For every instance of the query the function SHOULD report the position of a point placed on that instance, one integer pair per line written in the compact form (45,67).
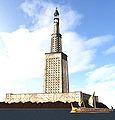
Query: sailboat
(94,109)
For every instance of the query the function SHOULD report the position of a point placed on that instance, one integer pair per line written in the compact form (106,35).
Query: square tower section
(56,73)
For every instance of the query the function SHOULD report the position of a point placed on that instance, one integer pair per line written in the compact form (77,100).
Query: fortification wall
(43,97)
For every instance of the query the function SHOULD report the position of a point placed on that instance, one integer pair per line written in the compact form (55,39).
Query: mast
(94,100)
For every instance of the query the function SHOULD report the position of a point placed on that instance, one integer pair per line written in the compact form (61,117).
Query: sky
(88,38)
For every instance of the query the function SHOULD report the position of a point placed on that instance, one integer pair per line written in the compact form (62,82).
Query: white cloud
(98,41)
(110,50)
(102,81)
(41,13)
(79,57)
(102,74)
(81,50)
(22,58)
(22,48)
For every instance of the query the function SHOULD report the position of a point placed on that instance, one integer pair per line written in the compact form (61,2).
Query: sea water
(52,114)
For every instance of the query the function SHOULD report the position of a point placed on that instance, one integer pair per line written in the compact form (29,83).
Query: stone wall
(45,97)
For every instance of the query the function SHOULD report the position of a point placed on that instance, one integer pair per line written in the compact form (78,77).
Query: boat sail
(92,101)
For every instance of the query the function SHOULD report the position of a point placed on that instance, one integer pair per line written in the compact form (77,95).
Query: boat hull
(90,110)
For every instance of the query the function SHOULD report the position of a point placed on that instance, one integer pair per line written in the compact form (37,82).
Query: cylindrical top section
(56,22)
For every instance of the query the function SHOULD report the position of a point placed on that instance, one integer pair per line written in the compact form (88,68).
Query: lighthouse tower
(56,65)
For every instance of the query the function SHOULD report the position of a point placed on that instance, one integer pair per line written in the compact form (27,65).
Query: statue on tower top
(56,12)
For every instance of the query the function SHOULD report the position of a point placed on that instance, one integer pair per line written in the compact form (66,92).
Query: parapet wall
(42,97)
(45,97)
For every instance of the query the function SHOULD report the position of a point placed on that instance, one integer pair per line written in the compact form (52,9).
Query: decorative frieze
(44,97)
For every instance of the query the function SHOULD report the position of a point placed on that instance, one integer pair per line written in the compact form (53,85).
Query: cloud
(102,74)
(41,13)
(22,57)
(98,41)
(110,50)
(102,81)
(79,57)
(82,50)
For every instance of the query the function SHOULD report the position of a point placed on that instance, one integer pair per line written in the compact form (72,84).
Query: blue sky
(88,38)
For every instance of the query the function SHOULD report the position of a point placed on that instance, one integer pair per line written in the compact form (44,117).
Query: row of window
(49,64)
(52,84)
(52,75)
(56,77)
(56,58)
(53,89)
(52,72)
(52,80)
(53,66)
(53,59)
(54,62)
(53,69)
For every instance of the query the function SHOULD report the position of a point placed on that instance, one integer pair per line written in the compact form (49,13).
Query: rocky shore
(57,104)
